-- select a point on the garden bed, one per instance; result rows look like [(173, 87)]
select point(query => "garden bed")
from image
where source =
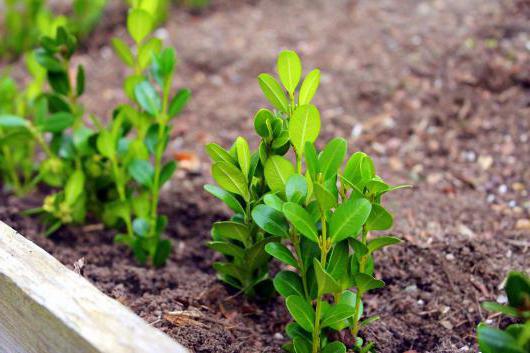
[(437, 92)]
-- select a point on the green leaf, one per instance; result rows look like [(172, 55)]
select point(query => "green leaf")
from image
[(296, 189), (338, 263), (326, 283), (141, 227), (167, 172), (231, 230), (59, 82), (13, 121), (163, 249), (229, 269), (332, 156), (219, 154), (230, 178), (226, 248), (518, 290), (326, 200), (336, 314), (277, 171), (492, 340), (80, 80), (309, 87), (226, 197), (147, 52), (304, 127), (280, 252), (288, 283), (142, 171), (270, 220), (301, 345), (498, 308), (348, 219), (123, 51), (273, 92), (289, 69), (273, 201), (359, 169), (243, 155), (301, 220), (311, 160), (380, 242), (139, 24), (301, 311), (261, 122), (379, 219), (335, 347), (147, 97), (179, 101), (105, 144), (364, 283), (74, 187), (57, 122)]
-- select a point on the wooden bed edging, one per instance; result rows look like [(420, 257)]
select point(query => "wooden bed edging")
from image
[(46, 308)]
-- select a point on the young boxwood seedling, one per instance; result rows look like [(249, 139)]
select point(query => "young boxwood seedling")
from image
[(243, 184), (516, 337), (135, 141), (17, 165), (323, 216)]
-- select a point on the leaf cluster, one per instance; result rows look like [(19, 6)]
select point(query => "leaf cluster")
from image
[(316, 219), (516, 337)]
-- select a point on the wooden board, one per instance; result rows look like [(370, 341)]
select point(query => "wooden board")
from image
[(46, 308)]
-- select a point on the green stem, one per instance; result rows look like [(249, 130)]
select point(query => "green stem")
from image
[(358, 298), (295, 239), (10, 164), (323, 260)]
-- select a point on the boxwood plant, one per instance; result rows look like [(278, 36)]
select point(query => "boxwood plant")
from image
[(516, 337), (316, 220), (134, 142)]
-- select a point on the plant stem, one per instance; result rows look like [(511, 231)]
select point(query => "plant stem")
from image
[(323, 260), (358, 298), (295, 239)]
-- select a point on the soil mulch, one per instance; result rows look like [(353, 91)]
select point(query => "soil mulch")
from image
[(437, 91)]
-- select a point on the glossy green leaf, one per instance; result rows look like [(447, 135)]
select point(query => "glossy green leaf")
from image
[(273, 201), (226, 248), (178, 102), (301, 345), (380, 242), (80, 81), (142, 171), (277, 171), (75, 186), (288, 283), (365, 283), (219, 154), (231, 230), (167, 172), (379, 219), (141, 227), (301, 220), (162, 252), (261, 119), (296, 189), (147, 97), (123, 51), (334, 347), (223, 195), (13, 121), (301, 311), (57, 122), (493, 340), (273, 92), (348, 219), (280, 252), (338, 262), (326, 282), (230, 178), (105, 144), (243, 155), (289, 69), (139, 24), (311, 160), (518, 290), (304, 127), (270, 220), (309, 87), (326, 200), (332, 157), (337, 313)]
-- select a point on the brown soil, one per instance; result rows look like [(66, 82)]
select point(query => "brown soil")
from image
[(436, 91)]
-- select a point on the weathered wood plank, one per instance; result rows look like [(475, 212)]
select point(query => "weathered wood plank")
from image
[(46, 308)]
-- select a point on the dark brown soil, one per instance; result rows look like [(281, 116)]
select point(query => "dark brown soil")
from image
[(437, 91)]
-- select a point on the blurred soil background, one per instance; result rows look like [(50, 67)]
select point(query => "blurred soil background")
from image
[(437, 91)]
